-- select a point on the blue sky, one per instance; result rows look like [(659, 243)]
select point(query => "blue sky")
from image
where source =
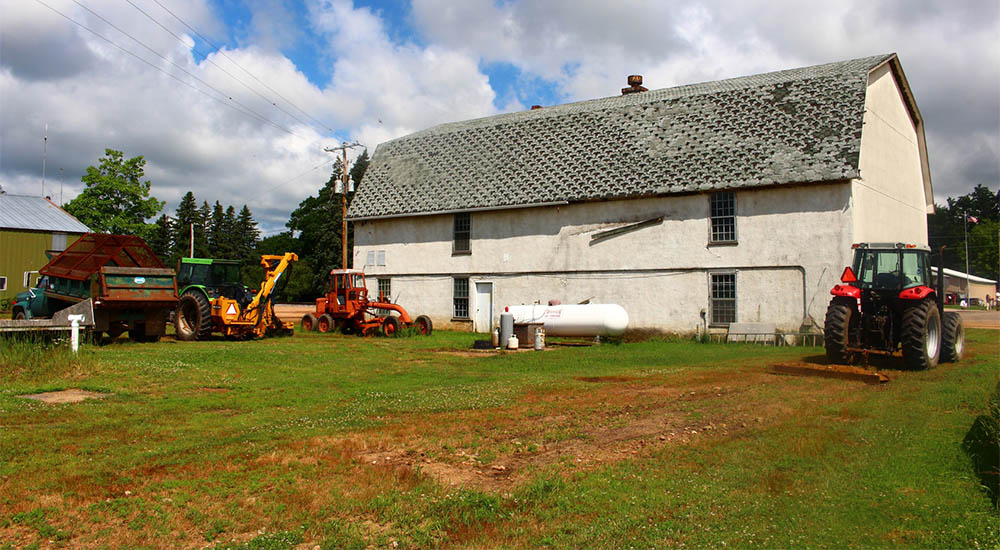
[(324, 71)]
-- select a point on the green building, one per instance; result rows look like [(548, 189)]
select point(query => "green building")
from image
[(30, 227)]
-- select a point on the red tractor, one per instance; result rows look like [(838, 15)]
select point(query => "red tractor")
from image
[(887, 301), (346, 308)]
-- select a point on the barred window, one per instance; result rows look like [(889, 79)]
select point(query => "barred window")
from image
[(463, 233), (461, 296), (723, 298), (723, 217), (384, 289)]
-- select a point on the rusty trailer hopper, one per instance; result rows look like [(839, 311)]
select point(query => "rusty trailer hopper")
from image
[(131, 288)]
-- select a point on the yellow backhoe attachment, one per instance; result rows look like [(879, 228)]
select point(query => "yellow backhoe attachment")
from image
[(257, 319)]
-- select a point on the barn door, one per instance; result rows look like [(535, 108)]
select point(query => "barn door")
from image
[(484, 307)]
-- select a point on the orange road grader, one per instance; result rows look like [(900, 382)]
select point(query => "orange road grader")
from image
[(346, 308)]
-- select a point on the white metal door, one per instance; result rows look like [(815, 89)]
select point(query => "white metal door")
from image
[(484, 307)]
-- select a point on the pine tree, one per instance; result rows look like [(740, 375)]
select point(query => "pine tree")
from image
[(216, 230), (185, 215), (161, 240)]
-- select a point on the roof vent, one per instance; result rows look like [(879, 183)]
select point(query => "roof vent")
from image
[(634, 85)]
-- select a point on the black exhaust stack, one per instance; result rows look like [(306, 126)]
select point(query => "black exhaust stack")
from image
[(940, 282)]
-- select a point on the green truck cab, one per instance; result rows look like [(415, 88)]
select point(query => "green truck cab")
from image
[(129, 286)]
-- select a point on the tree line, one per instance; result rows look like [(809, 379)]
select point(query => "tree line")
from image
[(116, 199), (976, 215)]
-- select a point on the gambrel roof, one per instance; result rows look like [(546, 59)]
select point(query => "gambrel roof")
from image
[(793, 126)]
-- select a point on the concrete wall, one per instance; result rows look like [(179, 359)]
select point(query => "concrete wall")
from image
[(889, 200), (658, 273)]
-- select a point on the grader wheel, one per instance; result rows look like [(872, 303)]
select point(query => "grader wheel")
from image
[(391, 326), (325, 323), (309, 322), (424, 325)]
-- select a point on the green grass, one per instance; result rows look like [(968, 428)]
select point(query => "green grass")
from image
[(338, 442)]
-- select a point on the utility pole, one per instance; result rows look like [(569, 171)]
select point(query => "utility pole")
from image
[(45, 151), (343, 188)]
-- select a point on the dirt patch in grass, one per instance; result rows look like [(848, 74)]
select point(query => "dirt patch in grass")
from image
[(570, 430), (65, 396)]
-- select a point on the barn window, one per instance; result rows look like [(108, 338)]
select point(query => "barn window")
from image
[(463, 233), (461, 296), (723, 298), (723, 217), (384, 289), (3, 283)]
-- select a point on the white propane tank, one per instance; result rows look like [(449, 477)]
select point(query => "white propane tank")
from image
[(512, 342), (574, 319)]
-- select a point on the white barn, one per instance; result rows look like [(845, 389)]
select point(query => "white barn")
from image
[(713, 203)]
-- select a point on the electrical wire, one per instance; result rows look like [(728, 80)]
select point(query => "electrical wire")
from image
[(213, 63), (236, 106), (231, 60)]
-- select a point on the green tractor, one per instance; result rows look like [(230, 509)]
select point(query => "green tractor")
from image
[(203, 281)]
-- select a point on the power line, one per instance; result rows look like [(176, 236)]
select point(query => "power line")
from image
[(237, 107), (230, 75), (233, 61)]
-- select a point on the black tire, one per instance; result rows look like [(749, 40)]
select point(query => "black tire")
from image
[(309, 322), (138, 334), (921, 335), (325, 323), (391, 326), (18, 315), (193, 317), (952, 338), (836, 331), (424, 325)]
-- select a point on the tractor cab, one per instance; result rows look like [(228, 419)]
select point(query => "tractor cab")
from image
[(216, 277), (348, 286), (891, 267)]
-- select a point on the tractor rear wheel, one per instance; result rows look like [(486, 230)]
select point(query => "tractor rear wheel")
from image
[(193, 317), (921, 335), (424, 325), (836, 330), (309, 322), (391, 326), (952, 338), (325, 323)]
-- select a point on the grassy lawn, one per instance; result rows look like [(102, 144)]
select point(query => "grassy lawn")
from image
[(341, 442)]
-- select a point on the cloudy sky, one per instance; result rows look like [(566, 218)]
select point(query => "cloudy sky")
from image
[(236, 99)]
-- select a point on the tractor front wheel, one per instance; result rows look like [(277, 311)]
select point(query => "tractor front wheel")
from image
[(325, 323), (836, 330), (193, 317), (921, 335), (391, 326), (309, 322), (424, 325), (953, 338)]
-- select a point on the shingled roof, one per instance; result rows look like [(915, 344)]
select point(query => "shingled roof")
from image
[(793, 126)]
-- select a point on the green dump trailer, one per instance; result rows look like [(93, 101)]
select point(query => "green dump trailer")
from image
[(131, 289)]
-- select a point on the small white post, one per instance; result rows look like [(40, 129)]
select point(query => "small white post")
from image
[(75, 331)]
